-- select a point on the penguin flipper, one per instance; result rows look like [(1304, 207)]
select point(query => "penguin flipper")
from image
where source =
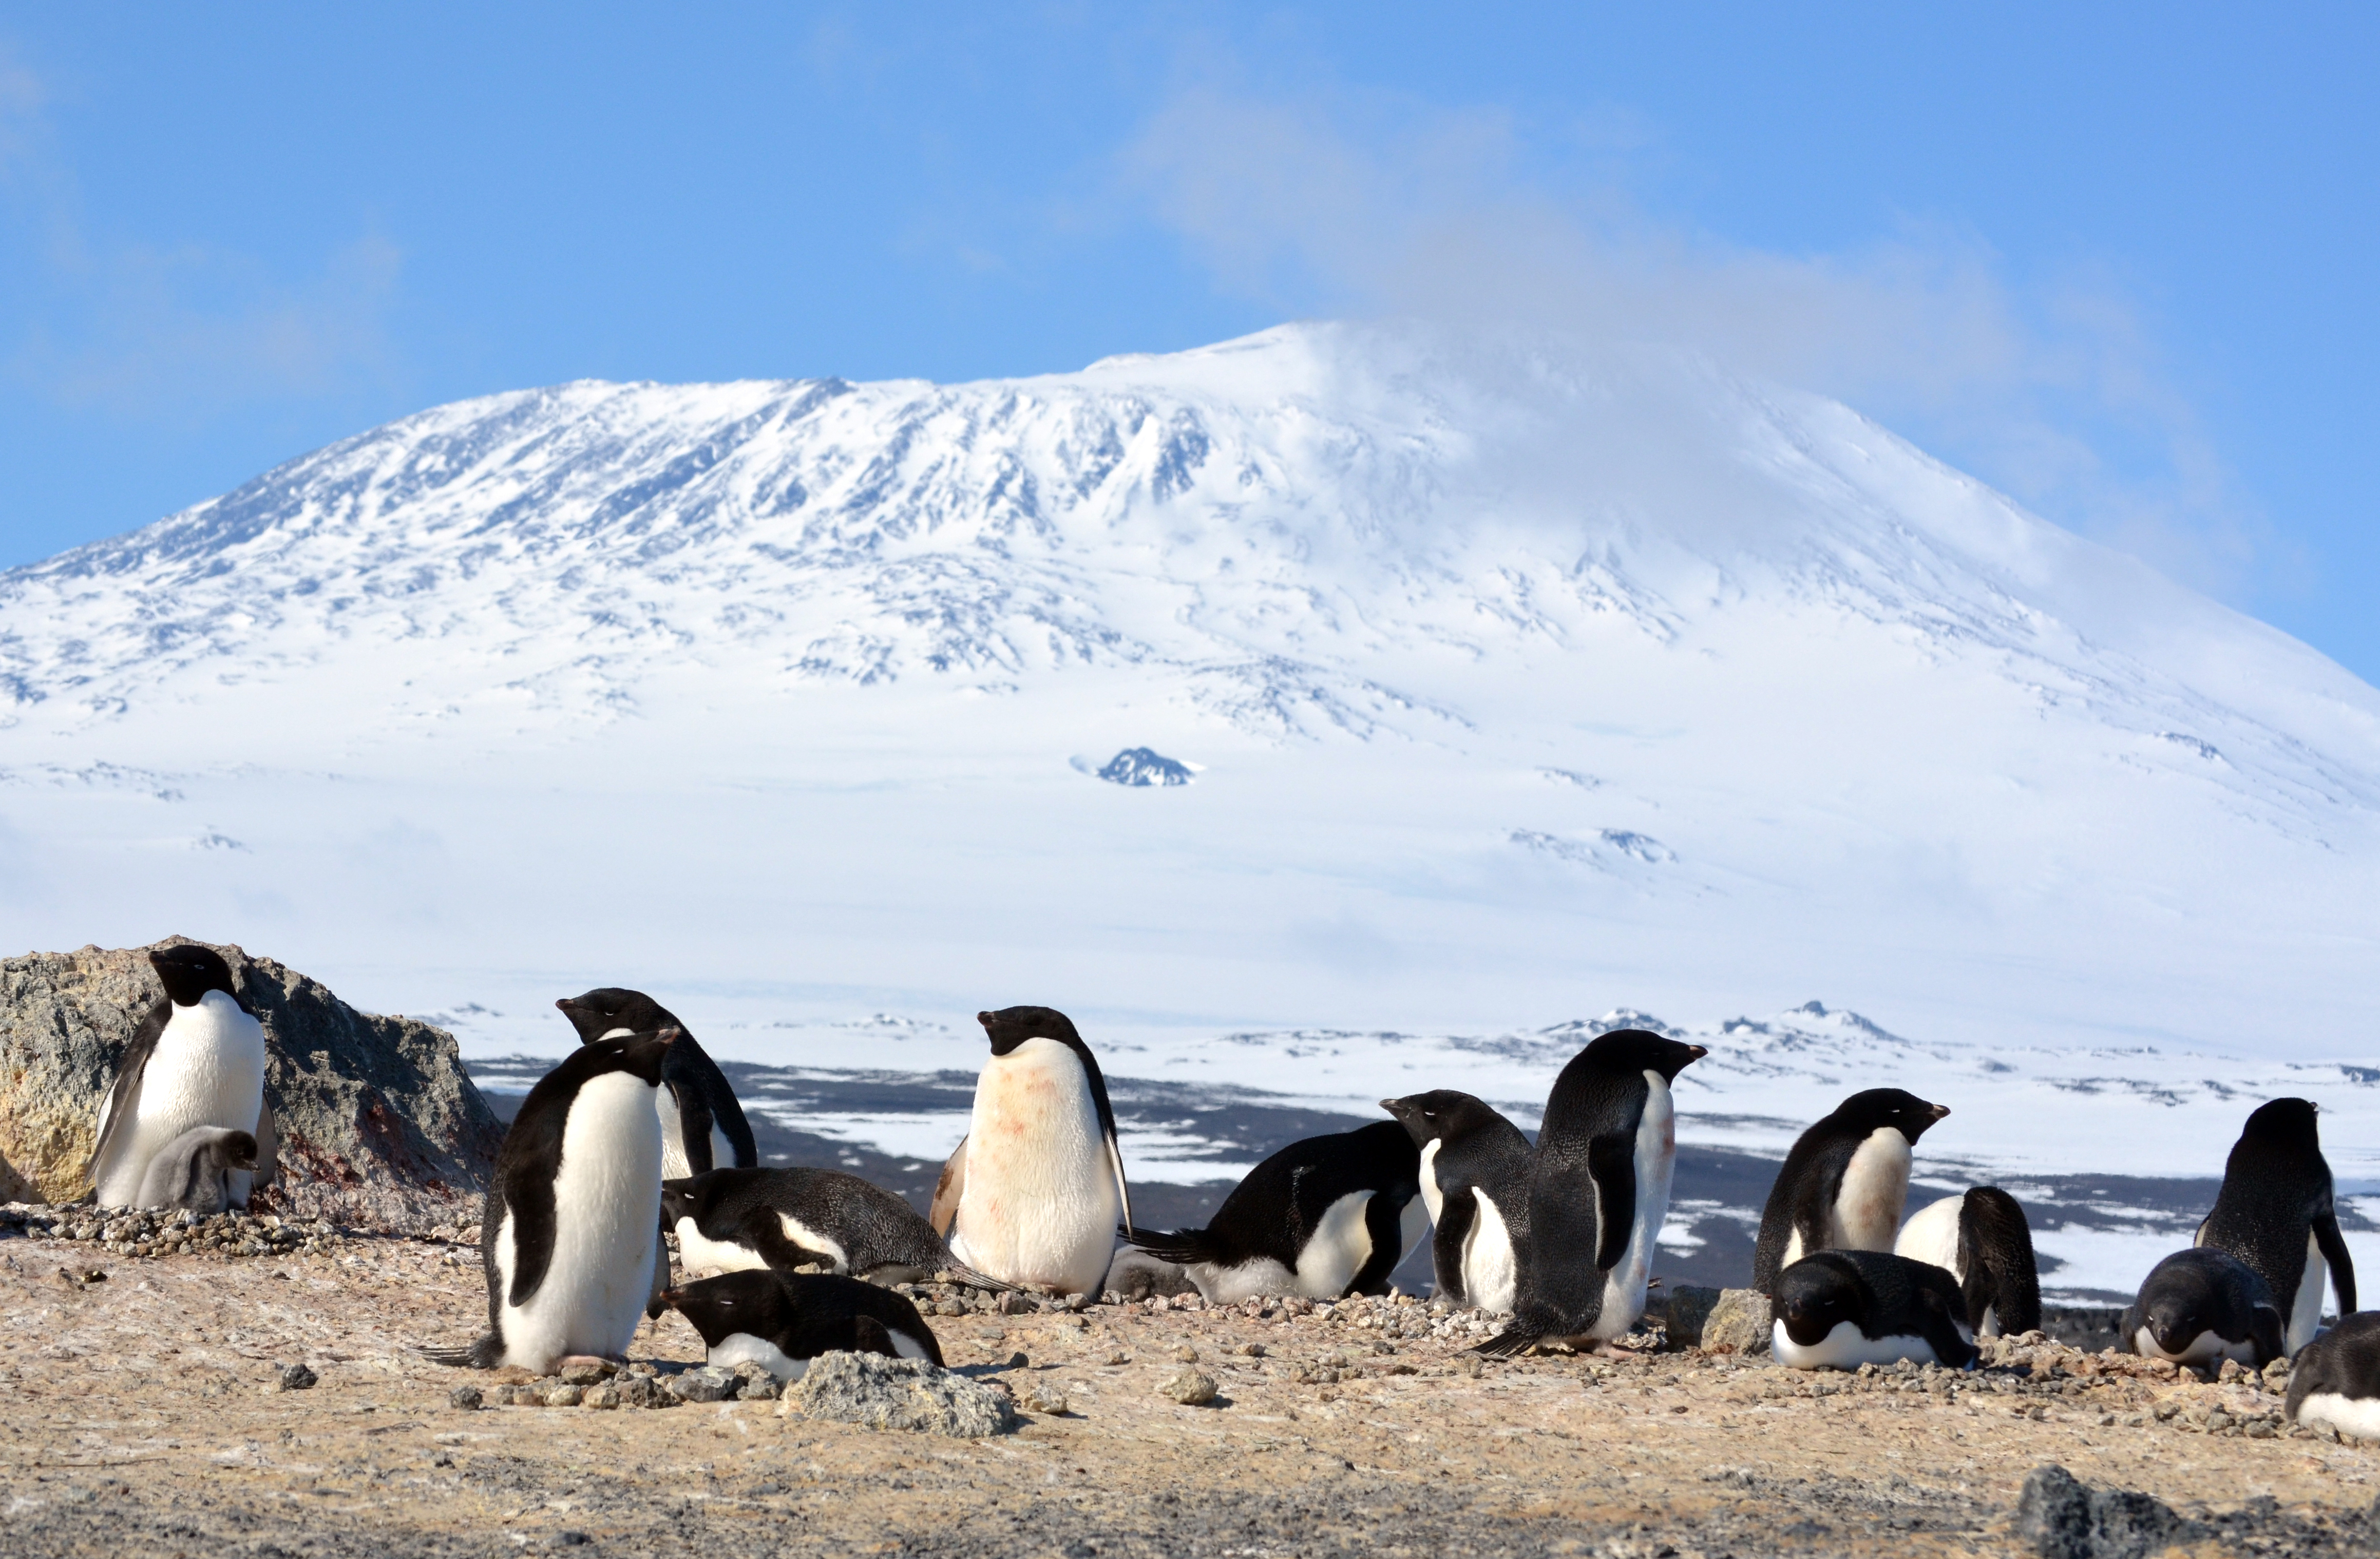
[(1941, 1332), (1115, 1161), (119, 1115), (871, 1335), (948, 1190), (2334, 1251), (1455, 1216), (2264, 1332), (1384, 1222), (765, 1232), (654, 1303), (1612, 1159), (268, 1149)]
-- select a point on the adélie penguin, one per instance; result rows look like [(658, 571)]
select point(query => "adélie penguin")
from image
[(2335, 1379), (1837, 1310), (1322, 1218), (1475, 1181), (782, 1321), (569, 1236), (1844, 1183), (2199, 1307), (702, 1124), (2274, 1213), (1599, 1190), (1981, 1238), (1034, 1194), (196, 1060), (738, 1220)]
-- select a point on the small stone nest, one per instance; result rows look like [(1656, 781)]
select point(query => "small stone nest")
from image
[(864, 1389), (169, 1232), (944, 1297)]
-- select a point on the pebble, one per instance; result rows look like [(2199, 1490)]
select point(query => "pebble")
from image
[(1047, 1400), (169, 1232), (297, 1377), (1186, 1354), (467, 1399), (1192, 1388)]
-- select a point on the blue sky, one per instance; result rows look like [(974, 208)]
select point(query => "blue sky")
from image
[(2116, 260)]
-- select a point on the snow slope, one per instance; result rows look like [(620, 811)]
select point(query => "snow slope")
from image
[(1513, 687)]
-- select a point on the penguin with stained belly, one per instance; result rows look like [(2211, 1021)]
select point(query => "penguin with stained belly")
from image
[(1982, 1238), (568, 1235), (2274, 1212), (1599, 1190), (703, 1128), (1036, 1192), (1475, 1181), (1844, 1183), (197, 1060), (1322, 1218)]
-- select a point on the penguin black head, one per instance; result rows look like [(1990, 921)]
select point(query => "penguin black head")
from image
[(608, 1012), (189, 971), (1011, 1027), (2285, 1122), (695, 1194), (1817, 1294), (751, 1302), (1634, 1050), (239, 1149), (641, 1057), (1441, 1115), (1876, 1108)]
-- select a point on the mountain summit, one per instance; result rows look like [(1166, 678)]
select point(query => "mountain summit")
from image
[(1518, 685)]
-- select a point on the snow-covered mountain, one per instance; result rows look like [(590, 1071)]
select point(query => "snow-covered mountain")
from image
[(1509, 687)]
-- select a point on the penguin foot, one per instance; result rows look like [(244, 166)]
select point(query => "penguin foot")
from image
[(567, 1359)]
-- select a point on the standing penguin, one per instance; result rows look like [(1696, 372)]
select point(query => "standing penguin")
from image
[(1845, 1182), (702, 1126), (1036, 1191), (567, 1236), (1981, 1238), (196, 1059), (1599, 1189), (2199, 1307), (1323, 1218), (1475, 1180), (2274, 1213)]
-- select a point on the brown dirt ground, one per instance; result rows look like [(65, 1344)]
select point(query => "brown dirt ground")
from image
[(139, 1415)]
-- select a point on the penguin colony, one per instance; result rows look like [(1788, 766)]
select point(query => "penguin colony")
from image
[(638, 1133)]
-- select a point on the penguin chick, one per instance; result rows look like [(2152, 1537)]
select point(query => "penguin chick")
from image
[(1322, 1218), (1845, 1182), (1839, 1310), (735, 1220), (195, 1170), (2335, 1379), (2274, 1212), (782, 1321), (1475, 1181), (1981, 1238), (1598, 1191), (2199, 1307)]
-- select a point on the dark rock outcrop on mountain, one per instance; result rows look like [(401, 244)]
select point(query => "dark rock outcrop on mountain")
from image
[(380, 1127)]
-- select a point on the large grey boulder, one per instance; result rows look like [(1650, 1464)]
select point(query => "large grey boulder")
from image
[(880, 1393), (379, 1126)]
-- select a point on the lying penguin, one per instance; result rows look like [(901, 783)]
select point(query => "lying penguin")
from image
[(1475, 1181), (2199, 1307), (782, 1321), (197, 1170), (2335, 1379), (1981, 1238), (1323, 1218), (1841, 1309), (738, 1219), (1844, 1183), (2274, 1212)]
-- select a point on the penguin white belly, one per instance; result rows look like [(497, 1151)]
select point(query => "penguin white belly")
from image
[(1656, 1157), (1846, 1348), (1432, 1199), (2305, 1315), (1219, 1285), (1337, 1249), (742, 1347), (1491, 1274), (2204, 1349), (1039, 1203), (207, 1069), (607, 1192), (696, 1252), (1875, 1187), (2358, 1416), (1932, 1236), (801, 1234)]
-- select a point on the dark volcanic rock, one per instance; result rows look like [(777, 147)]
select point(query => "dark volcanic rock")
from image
[(2062, 1519), (379, 1127)]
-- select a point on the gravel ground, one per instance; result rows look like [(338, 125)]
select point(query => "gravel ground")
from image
[(145, 1413)]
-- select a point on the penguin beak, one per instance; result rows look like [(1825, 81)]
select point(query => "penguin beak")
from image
[(1695, 1052), (1938, 1111), (674, 1297)]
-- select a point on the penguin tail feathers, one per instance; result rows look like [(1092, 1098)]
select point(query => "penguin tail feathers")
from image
[(971, 1278), (481, 1355), (1505, 1343), (1182, 1247)]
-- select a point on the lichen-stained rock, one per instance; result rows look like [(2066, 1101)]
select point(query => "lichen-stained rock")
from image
[(379, 1126), (880, 1393), (1740, 1322)]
